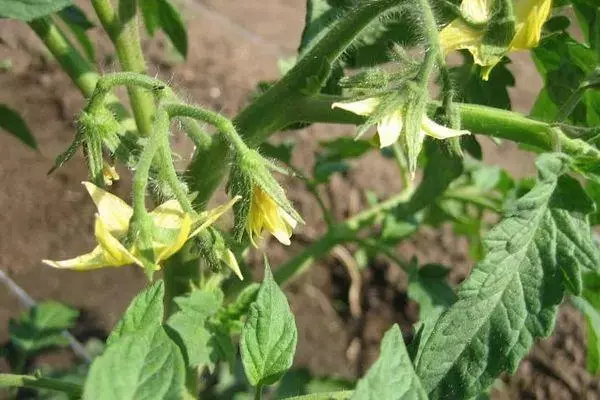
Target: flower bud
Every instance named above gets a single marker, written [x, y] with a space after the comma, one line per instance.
[264, 205]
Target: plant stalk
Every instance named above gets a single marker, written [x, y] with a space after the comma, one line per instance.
[11, 380]
[122, 29]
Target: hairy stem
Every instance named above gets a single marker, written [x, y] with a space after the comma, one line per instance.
[223, 125]
[276, 107]
[123, 31]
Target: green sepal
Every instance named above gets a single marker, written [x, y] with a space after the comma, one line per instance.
[411, 138]
[240, 184]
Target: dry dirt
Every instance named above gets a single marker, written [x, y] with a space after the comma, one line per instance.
[233, 45]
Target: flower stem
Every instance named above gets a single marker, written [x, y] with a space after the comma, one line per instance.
[11, 380]
[223, 125]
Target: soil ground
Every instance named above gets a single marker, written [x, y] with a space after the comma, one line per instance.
[233, 45]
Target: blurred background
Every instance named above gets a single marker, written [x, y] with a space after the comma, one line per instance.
[233, 46]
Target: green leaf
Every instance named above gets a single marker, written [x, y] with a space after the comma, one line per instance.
[588, 15]
[269, 337]
[12, 122]
[564, 63]
[324, 169]
[589, 305]
[173, 25]
[145, 310]
[144, 365]
[27, 10]
[75, 16]
[392, 376]
[42, 326]
[281, 152]
[151, 15]
[470, 88]
[533, 255]
[343, 148]
[78, 23]
[191, 325]
[429, 287]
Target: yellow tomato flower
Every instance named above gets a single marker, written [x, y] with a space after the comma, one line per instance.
[265, 214]
[530, 16]
[172, 228]
[389, 128]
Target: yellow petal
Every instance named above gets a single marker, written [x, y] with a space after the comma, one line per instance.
[457, 35]
[116, 254]
[477, 11]
[113, 211]
[182, 237]
[389, 129]
[265, 214]
[209, 217]
[433, 129]
[93, 260]
[168, 215]
[229, 259]
[362, 107]
[530, 17]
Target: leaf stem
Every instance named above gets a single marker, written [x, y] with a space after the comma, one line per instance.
[11, 380]
[258, 392]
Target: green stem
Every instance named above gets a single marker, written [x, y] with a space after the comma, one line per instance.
[70, 60]
[344, 232]
[435, 48]
[478, 119]
[341, 395]
[142, 169]
[123, 31]
[405, 180]
[168, 172]
[223, 125]
[277, 106]
[10, 380]
[258, 392]
[78, 68]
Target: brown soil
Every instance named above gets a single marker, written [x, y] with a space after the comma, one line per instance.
[233, 45]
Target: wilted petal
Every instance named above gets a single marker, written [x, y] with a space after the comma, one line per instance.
[530, 17]
[389, 129]
[93, 260]
[362, 107]
[433, 129]
[110, 174]
[113, 211]
[116, 254]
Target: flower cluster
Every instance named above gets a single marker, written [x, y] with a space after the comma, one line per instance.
[529, 15]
